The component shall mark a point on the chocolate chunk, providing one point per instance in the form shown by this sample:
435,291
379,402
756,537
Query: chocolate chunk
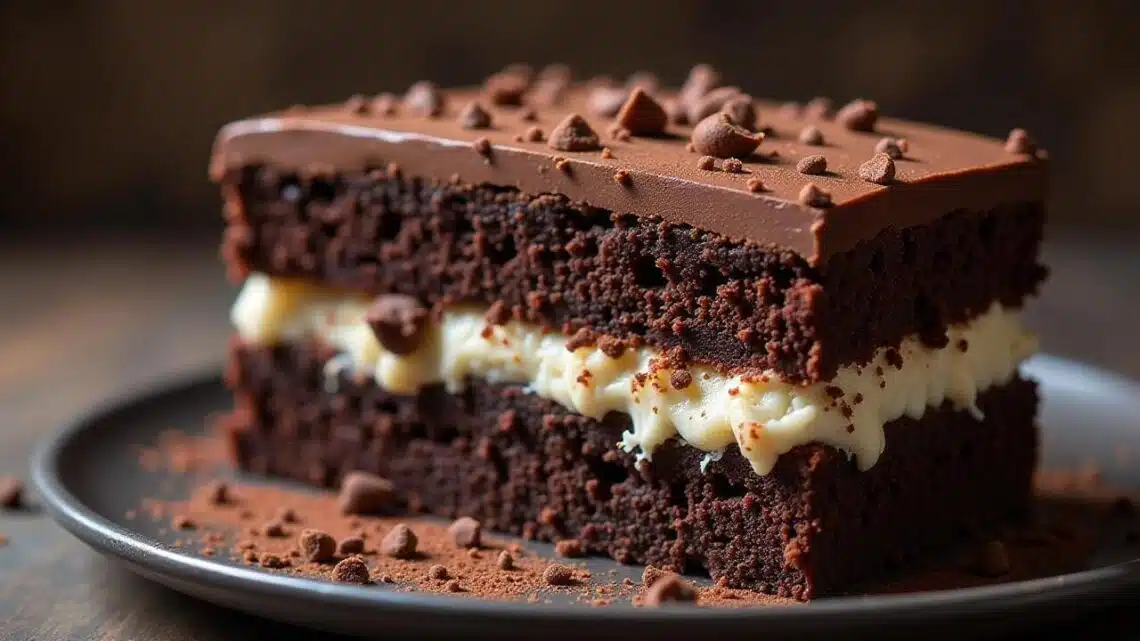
482,146
399,543
350,545
642,115
742,111
506,87
607,154
11,493
216,492
890,147
719,137
702,79
505,561
399,322
424,99
1019,142
452,586
533,134
558,574
732,165
438,572
712,102
813,196
473,116
574,134
880,169
351,570
644,80
812,165
606,101
819,108
569,548
755,184
992,560
680,379
364,493
621,177
651,575
669,589
858,115
316,546
466,532
384,104
811,135
708,163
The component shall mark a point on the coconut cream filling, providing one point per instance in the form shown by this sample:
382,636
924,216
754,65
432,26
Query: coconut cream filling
762,414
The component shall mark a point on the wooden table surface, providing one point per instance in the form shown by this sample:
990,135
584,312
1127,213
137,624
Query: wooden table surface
98,317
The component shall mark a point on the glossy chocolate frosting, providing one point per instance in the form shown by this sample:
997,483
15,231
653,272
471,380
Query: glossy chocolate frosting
941,171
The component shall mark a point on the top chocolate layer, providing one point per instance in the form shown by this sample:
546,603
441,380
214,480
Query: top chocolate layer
764,198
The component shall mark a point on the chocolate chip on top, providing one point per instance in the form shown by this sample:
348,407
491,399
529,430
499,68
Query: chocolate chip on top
1019,142
890,147
858,115
506,87
474,116
811,135
742,110
813,196
424,99
880,169
812,165
704,106
399,322
719,137
606,101
574,134
642,115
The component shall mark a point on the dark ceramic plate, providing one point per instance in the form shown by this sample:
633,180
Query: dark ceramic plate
89,477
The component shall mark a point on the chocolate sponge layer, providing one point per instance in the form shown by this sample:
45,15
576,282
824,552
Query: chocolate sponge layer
815,526
728,303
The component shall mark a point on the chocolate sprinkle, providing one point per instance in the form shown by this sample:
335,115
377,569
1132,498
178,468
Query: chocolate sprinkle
574,134
719,137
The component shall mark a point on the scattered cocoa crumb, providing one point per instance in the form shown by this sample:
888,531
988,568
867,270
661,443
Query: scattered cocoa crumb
466,532
273,529
438,573
667,589
286,515
732,165
364,493
650,575
452,586
505,561
349,546
272,561
400,542
755,185
217,492
317,546
351,570
708,163
812,165
557,574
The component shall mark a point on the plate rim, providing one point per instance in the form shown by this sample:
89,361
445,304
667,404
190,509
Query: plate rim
120,543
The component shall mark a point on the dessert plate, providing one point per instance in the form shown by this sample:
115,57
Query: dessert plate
89,476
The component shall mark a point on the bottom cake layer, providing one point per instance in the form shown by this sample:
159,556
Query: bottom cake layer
815,526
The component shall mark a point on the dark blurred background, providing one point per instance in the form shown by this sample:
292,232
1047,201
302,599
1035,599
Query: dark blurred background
109,107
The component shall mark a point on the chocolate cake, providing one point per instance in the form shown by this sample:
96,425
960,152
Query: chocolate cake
777,343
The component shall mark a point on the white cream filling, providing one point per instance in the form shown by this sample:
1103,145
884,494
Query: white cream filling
764,415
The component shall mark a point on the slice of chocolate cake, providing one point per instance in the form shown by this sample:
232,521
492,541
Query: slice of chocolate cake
691,328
